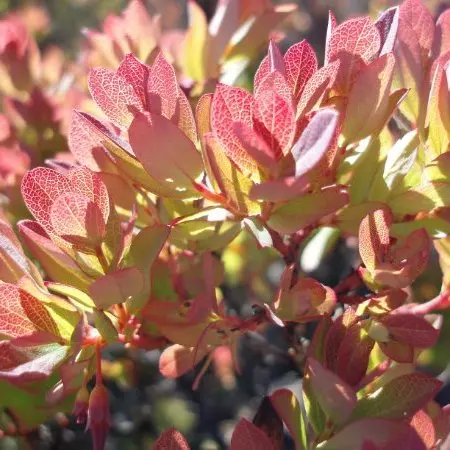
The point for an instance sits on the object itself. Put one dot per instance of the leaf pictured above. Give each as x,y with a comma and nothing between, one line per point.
387,25
424,427
259,231
135,74
195,43
336,398
316,88
105,326
13,262
57,264
441,42
411,329
176,360
368,111
247,436
171,439
144,250
21,314
165,152
229,105
300,61
114,96
438,111
307,209
40,188
353,436
374,238
413,44
274,119
288,408
397,351
21,365
77,219
314,141
231,182
354,43
400,159
78,297
353,355
222,26
400,398
422,199
116,287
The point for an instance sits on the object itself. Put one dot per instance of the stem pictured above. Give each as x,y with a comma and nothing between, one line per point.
101,258
98,365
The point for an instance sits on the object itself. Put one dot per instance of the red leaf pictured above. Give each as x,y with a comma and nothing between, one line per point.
21,314
397,351
171,439
317,87
162,89
136,74
354,43
301,63
231,105
247,436
114,96
40,188
274,120
353,354
411,329
332,23
424,427
314,141
374,237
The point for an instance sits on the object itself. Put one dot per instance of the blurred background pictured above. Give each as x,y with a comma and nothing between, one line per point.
143,403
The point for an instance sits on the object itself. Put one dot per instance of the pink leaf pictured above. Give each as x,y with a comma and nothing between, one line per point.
441,42
117,287
165,152
136,74
176,360
336,397
247,436
301,63
40,188
171,439
162,89
314,141
114,95
354,43
317,87
387,25
332,23
77,219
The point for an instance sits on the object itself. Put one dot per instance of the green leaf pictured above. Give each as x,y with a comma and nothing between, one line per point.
308,209
400,398
256,227
288,408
